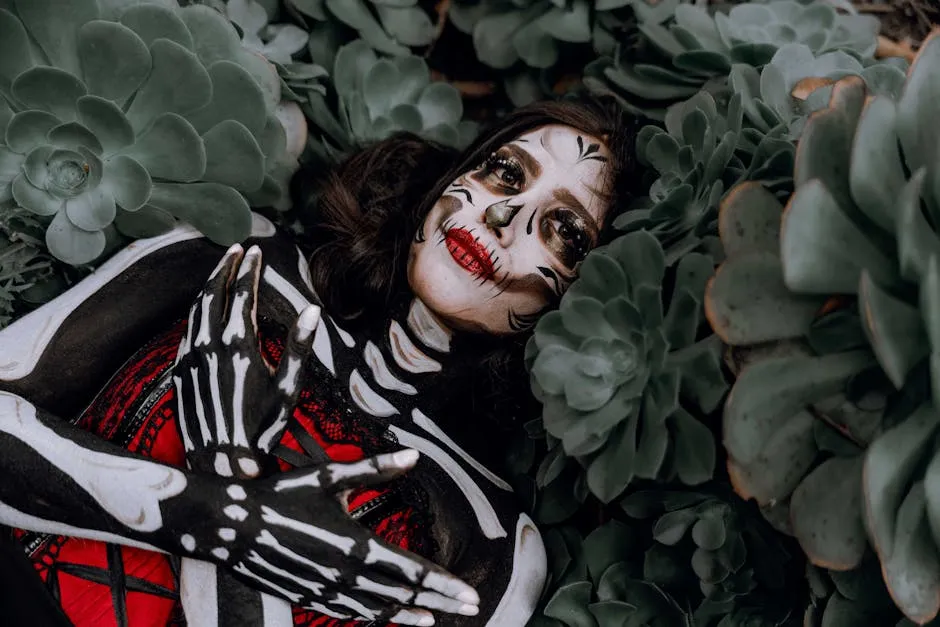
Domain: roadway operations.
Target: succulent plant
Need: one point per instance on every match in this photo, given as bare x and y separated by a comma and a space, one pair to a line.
860, 226
157, 116
390, 28
25, 268
379, 96
698, 49
619, 378
277, 42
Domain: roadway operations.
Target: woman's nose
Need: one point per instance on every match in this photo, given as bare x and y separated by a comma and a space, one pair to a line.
500, 217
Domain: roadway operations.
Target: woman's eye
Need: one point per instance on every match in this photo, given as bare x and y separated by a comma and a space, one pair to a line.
566, 236
504, 171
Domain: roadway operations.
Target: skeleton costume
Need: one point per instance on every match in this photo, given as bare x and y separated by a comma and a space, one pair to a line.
360, 396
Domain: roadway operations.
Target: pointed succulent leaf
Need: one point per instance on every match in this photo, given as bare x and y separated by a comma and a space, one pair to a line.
823, 251
177, 84
28, 130
889, 465
893, 327
49, 89
55, 27
233, 157
768, 393
15, 53
171, 149
115, 61
694, 449
652, 448
912, 570
877, 175
127, 182
218, 211
919, 134
570, 605
613, 469
826, 514
106, 120
72, 244
152, 22
235, 96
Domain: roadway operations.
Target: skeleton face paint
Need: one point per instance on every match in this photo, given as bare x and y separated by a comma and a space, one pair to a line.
505, 239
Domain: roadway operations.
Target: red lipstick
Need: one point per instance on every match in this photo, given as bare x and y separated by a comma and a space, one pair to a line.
469, 254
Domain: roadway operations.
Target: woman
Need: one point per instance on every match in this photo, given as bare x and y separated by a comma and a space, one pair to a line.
429, 267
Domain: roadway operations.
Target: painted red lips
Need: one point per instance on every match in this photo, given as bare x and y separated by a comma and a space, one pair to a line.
469, 254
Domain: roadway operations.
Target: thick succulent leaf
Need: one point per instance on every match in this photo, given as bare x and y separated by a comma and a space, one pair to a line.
917, 128
33, 199
115, 60
823, 250
536, 47
178, 84
627, 79
572, 23
889, 465
55, 26
894, 329
768, 393
825, 147
233, 157
747, 302
152, 22
127, 181
749, 220
49, 89
930, 308
71, 244
409, 25
826, 514
694, 449
642, 257
11, 165
218, 211
877, 174
652, 448
106, 120
917, 239
28, 129
15, 54
171, 149
73, 135
440, 103
356, 14
912, 570
602, 277
147, 222
92, 210
606, 545
613, 469
235, 96
570, 605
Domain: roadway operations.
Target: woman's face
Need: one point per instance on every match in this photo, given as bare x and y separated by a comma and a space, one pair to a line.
505, 239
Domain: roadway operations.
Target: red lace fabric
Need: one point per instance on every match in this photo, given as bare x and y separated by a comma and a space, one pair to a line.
84, 575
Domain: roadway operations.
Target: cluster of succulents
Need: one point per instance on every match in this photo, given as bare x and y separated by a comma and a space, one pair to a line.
622, 371
840, 290
698, 48
130, 123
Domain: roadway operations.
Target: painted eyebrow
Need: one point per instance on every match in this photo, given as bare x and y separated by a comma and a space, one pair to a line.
564, 196
529, 162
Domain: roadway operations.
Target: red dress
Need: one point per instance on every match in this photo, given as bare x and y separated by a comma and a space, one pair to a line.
100, 585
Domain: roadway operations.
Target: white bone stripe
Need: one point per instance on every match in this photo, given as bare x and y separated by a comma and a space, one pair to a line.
368, 399
186, 343
323, 348
276, 612
482, 508
408, 356
267, 539
428, 425
24, 342
381, 373
130, 490
316, 588
529, 570
353, 604
378, 553
240, 364
303, 268
289, 383
392, 592
235, 328
199, 592
311, 480
293, 596
266, 439
345, 545
212, 360
200, 410
297, 300
344, 335
203, 338
426, 327
184, 431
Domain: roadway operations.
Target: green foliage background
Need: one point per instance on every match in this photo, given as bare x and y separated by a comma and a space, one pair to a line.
802, 497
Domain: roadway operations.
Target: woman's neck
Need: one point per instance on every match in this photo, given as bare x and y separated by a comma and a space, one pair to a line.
428, 328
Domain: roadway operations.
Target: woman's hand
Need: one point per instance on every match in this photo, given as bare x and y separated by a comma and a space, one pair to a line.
226, 391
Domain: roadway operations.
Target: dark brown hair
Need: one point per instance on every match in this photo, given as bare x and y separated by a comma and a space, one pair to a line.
361, 218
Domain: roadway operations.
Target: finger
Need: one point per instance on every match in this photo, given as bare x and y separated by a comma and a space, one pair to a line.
242, 325
370, 471
383, 586
413, 617
214, 296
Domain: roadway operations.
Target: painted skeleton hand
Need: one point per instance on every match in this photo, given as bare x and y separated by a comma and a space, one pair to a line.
226, 391
288, 535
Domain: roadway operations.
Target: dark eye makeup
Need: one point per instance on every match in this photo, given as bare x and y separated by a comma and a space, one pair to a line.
503, 171
567, 235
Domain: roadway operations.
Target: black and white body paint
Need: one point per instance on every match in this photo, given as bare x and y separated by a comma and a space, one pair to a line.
287, 535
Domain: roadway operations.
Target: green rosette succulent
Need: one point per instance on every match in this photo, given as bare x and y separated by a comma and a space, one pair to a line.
277, 42
861, 225
378, 96
697, 50
620, 378
155, 116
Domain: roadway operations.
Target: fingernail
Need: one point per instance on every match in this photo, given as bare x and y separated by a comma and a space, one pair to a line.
469, 596
468, 610
307, 322
254, 250
406, 459
234, 248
